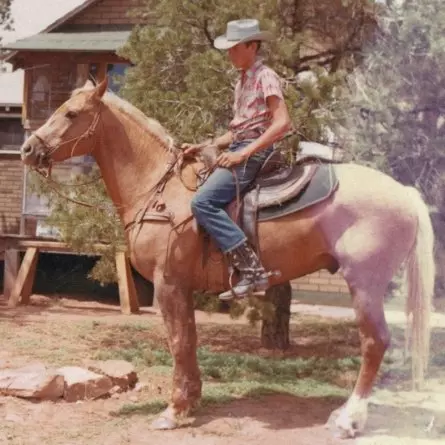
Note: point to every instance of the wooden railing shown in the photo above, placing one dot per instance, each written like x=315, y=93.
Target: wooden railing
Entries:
x=18, y=278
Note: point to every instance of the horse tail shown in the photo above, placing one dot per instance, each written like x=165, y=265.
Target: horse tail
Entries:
x=420, y=276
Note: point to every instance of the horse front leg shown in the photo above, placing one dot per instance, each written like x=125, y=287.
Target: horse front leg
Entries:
x=176, y=304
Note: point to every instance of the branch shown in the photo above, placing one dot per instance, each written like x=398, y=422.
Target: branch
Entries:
x=334, y=54
x=330, y=55
x=207, y=32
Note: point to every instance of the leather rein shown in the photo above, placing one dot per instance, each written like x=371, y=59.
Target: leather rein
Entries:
x=155, y=208
x=44, y=167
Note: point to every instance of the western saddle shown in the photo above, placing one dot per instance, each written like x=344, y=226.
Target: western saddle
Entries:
x=280, y=189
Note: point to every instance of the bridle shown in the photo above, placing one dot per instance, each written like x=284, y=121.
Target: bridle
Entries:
x=154, y=209
x=44, y=159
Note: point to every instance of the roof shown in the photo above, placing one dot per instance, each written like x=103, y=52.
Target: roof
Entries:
x=11, y=88
x=70, y=14
x=74, y=41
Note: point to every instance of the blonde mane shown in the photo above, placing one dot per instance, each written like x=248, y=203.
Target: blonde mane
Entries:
x=153, y=126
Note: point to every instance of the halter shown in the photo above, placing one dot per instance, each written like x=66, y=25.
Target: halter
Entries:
x=154, y=209
x=45, y=161
x=50, y=150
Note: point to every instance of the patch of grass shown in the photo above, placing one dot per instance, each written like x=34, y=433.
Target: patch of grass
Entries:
x=139, y=353
x=227, y=375
x=225, y=392
x=229, y=367
x=147, y=408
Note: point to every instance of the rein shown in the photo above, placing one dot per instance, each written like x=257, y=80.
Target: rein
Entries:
x=50, y=150
x=155, y=208
x=89, y=132
x=53, y=186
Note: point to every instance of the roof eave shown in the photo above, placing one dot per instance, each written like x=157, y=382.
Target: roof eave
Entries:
x=60, y=21
x=68, y=16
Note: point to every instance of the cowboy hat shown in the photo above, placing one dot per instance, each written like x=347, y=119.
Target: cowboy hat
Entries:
x=241, y=31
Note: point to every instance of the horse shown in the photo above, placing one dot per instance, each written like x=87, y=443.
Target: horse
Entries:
x=370, y=227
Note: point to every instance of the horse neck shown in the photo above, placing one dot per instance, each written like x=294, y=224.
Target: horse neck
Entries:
x=131, y=160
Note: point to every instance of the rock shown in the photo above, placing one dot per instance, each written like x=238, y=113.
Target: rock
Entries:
x=140, y=386
x=115, y=390
x=120, y=372
x=81, y=384
x=32, y=382
x=14, y=418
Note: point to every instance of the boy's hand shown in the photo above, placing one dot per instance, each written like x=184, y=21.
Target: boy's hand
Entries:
x=190, y=149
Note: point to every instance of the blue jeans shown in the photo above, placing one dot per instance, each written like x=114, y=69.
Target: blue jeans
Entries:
x=209, y=202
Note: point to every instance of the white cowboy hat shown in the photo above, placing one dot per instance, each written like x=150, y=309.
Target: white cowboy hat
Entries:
x=241, y=31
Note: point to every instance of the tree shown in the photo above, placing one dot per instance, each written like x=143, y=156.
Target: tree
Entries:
x=178, y=77
x=394, y=107
x=181, y=80
x=5, y=14
x=5, y=20
x=275, y=330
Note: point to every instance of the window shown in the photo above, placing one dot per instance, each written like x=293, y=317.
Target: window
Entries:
x=40, y=96
x=116, y=73
x=95, y=71
x=12, y=133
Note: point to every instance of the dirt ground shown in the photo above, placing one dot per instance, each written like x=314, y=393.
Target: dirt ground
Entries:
x=397, y=415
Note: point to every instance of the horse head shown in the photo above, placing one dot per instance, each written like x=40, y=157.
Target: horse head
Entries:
x=70, y=131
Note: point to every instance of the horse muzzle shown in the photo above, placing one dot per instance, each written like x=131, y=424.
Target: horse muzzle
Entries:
x=33, y=153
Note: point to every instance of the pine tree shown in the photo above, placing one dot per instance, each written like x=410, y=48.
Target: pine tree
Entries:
x=5, y=14
x=394, y=108
x=178, y=78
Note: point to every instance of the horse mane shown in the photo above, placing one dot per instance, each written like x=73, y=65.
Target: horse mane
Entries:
x=151, y=125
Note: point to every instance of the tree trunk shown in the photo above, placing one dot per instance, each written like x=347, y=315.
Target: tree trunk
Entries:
x=275, y=332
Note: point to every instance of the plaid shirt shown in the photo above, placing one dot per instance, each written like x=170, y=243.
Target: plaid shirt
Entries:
x=250, y=110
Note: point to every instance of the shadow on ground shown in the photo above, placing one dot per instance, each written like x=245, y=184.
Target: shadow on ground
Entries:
x=274, y=411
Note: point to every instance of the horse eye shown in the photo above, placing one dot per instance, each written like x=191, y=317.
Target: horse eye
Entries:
x=70, y=114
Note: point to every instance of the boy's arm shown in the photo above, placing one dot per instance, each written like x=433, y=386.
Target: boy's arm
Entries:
x=224, y=140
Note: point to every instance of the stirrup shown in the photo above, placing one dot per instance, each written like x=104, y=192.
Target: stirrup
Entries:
x=257, y=287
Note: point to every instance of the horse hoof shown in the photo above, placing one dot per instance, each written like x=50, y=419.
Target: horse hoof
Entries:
x=164, y=422
x=349, y=425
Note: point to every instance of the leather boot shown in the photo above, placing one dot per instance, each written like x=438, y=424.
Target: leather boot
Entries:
x=253, y=276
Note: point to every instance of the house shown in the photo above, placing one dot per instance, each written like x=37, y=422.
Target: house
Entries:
x=78, y=46
x=12, y=135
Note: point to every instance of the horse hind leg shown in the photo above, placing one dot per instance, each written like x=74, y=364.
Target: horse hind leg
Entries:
x=368, y=272
x=375, y=339
x=369, y=259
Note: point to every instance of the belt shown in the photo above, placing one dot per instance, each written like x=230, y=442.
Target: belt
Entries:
x=247, y=134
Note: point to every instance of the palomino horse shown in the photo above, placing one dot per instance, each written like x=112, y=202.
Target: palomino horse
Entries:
x=367, y=229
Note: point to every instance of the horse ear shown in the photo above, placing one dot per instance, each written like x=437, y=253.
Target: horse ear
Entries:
x=101, y=88
x=89, y=85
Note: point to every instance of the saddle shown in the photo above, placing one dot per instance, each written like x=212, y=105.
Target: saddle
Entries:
x=281, y=190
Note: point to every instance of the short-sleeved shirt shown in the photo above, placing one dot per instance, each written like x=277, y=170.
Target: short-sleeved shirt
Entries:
x=251, y=91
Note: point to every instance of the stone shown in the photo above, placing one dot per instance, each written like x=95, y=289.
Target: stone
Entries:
x=82, y=384
x=140, y=386
x=120, y=372
x=14, y=418
x=32, y=382
x=116, y=390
